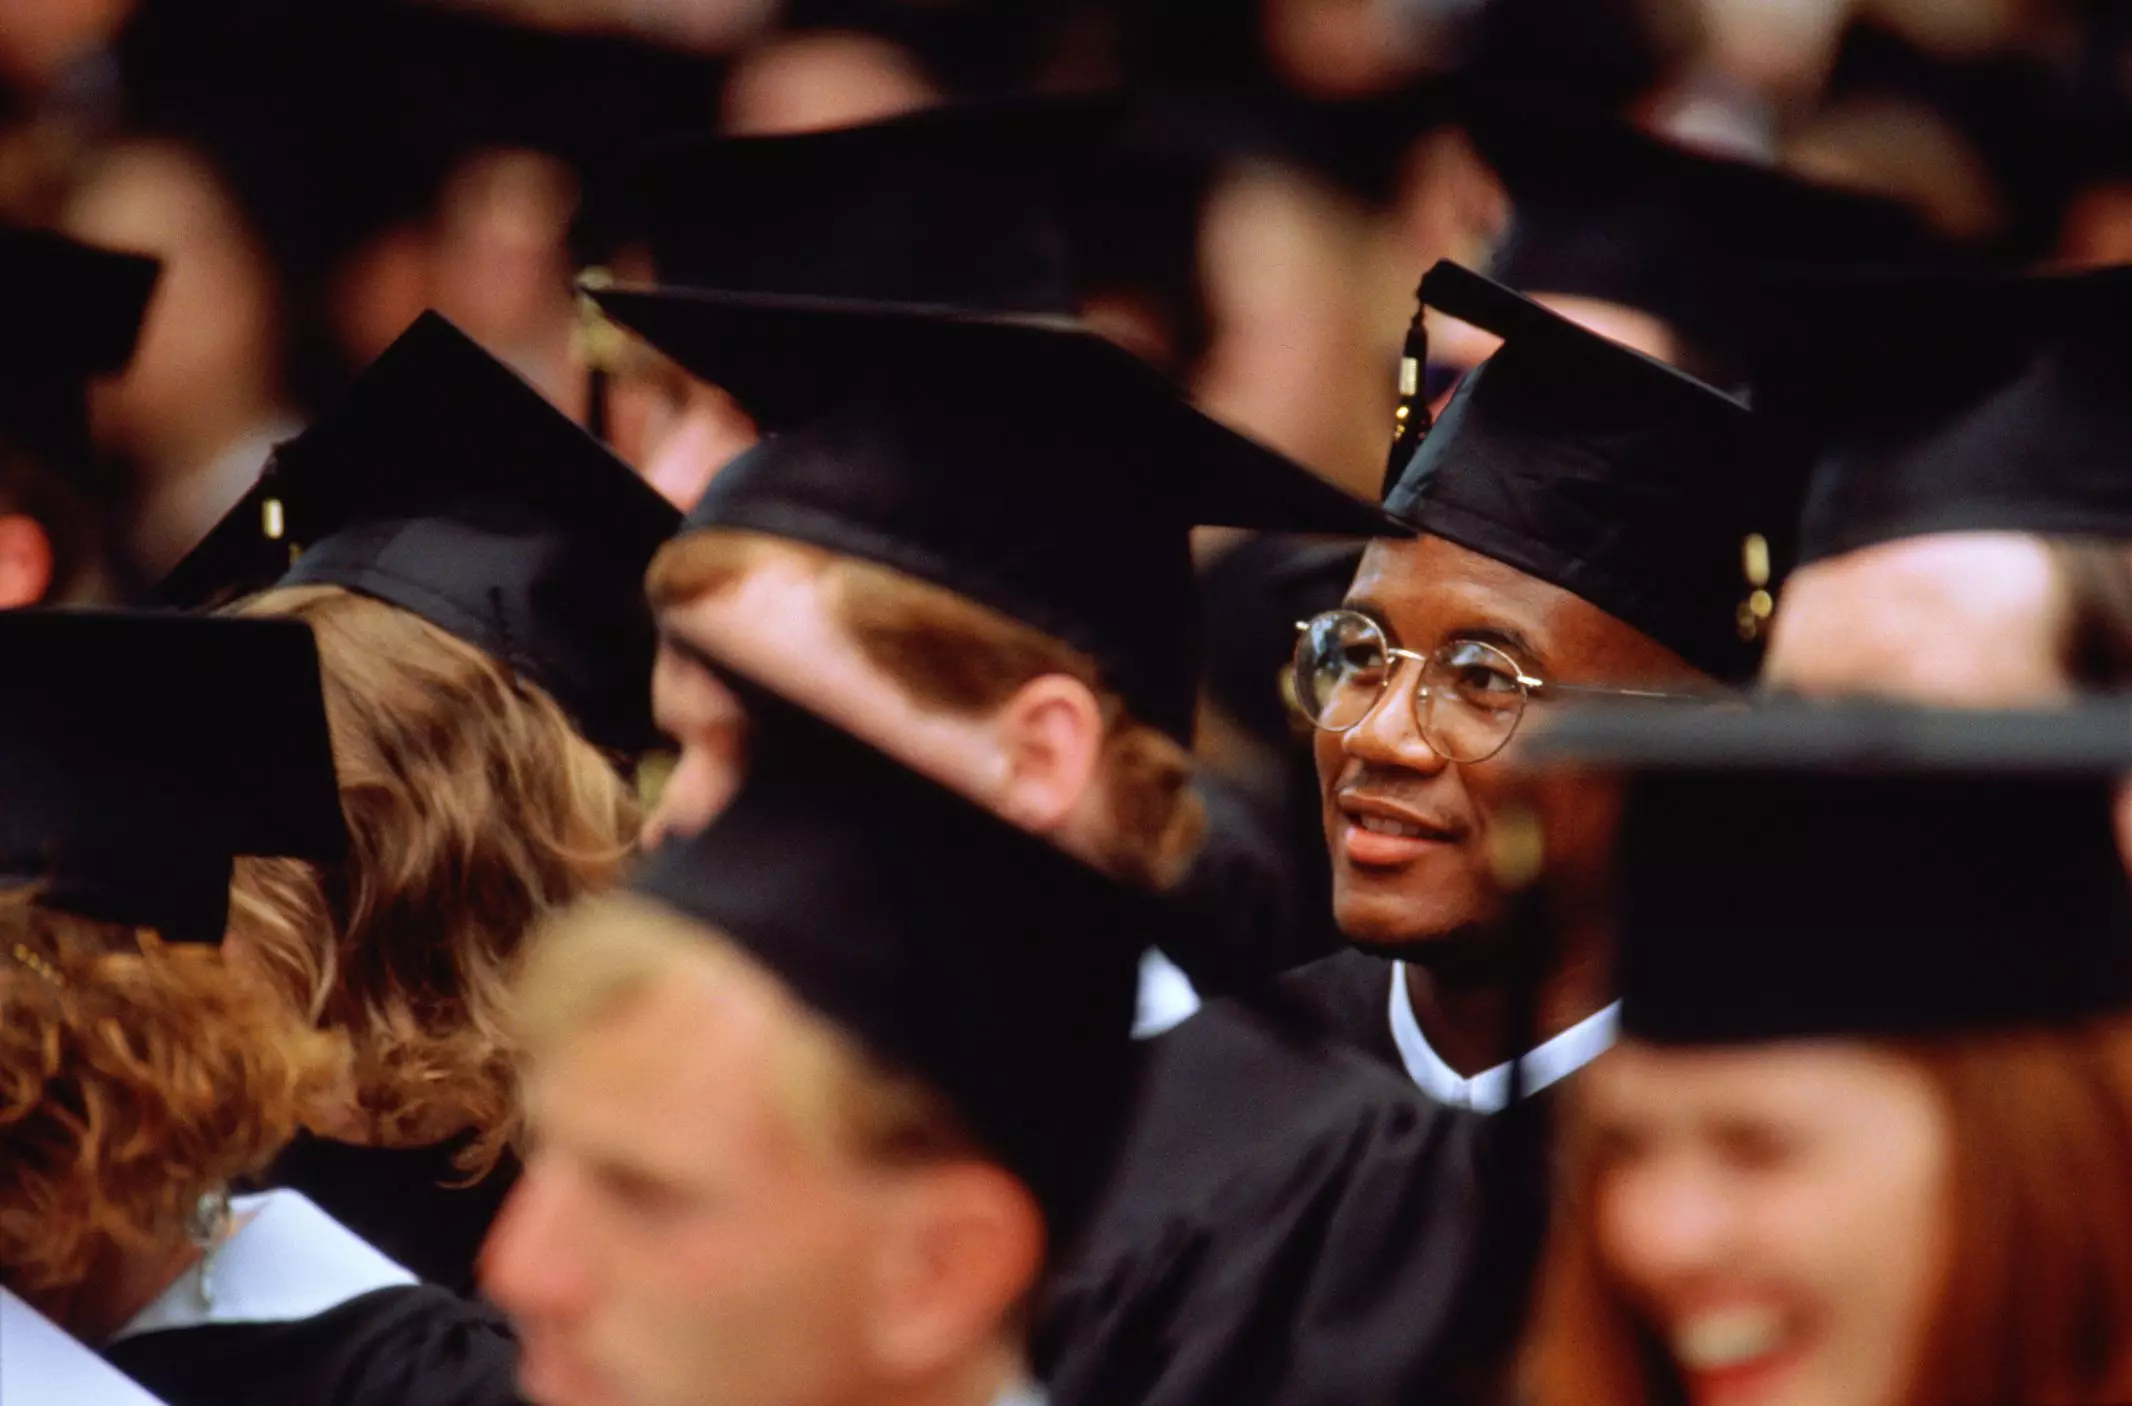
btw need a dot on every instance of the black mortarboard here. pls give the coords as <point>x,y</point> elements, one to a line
<point>445,485</point>
<point>1799,870</point>
<point>1023,462</point>
<point>72,313</point>
<point>141,753</point>
<point>1606,473</point>
<point>1605,211</point>
<point>962,205</point>
<point>958,948</point>
<point>1960,404</point>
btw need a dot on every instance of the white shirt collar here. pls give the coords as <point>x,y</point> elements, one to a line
<point>1489,1090</point>
<point>1167,997</point>
<point>287,1261</point>
<point>41,1363</point>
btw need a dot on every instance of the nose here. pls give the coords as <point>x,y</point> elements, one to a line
<point>696,790</point>
<point>530,1265</point>
<point>1389,734</point>
<point>1665,1226</point>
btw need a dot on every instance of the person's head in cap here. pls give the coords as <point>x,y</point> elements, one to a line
<point>975,552</point>
<point>1590,521</point>
<point>471,563</point>
<point>140,757</point>
<point>1970,478</point>
<point>1659,246</point>
<point>72,314</point>
<point>820,1097</point>
<point>1864,1136</point>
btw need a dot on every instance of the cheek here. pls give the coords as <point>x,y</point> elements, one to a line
<point>1331,759</point>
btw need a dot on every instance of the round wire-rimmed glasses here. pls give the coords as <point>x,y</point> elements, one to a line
<point>1468,702</point>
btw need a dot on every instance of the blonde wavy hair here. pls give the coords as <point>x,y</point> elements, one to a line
<point>135,1078</point>
<point>474,808</point>
<point>957,656</point>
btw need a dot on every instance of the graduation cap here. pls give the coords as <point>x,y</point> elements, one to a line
<point>1960,403</point>
<point>1631,484</point>
<point>1608,212</point>
<point>140,753</point>
<point>1021,461</point>
<point>1799,870</point>
<point>73,312</point>
<point>445,485</point>
<point>963,204</point>
<point>990,964</point>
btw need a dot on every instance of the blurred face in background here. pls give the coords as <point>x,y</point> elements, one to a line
<point>809,82</point>
<point>1776,1215</point>
<point>208,357</point>
<point>1972,619</point>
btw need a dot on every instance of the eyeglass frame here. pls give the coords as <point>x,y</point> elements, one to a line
<point>1528,686</point>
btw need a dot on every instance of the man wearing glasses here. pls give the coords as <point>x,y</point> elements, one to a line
<point>1592,524</point>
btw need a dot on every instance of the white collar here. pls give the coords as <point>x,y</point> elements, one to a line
<point>42,1363</point>
<point>287,1261</point>
<point>1489,1090</point>
<point>1167,997</point>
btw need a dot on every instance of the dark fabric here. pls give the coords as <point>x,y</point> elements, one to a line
<point>446,485</point>
<point>1290,1225</point>
<point>1024,463</point>
<point>980,958</point>
<point>1351,992</point>
<point>1962,405</point>
<point>134,813</point>
<point>1257,900</point>
<point>1605,210</point>
<point>1619,479</point>
<point>71,312</point>
<point>416,1346</point>
<point>1905,905</point>
<point>408,1202</point>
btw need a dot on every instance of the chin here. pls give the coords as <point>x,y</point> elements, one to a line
<point>1391,919</point>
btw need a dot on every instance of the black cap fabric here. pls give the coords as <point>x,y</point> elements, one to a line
<point>140,753</point>
<point>963,205</point>
<point>1023,462</point>
<point>1959,403</point>
<point>1605,211</point>
<point>1606,473</point>
<point>72,312</point>
<point>445,485</point>
<point>981,959</point>
<point>1799,870</point>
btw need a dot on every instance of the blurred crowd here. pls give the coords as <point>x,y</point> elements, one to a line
<point>314,175</point>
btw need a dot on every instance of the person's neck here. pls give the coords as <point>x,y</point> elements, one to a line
<point>981,1380</point>
<point>112,1294</point>
<point>1468,1026</point>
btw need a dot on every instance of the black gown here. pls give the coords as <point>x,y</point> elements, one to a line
<point>303,1312</point>
<point>1291,1224</point>
<point>1351,993</point>
<point>406,1201</point>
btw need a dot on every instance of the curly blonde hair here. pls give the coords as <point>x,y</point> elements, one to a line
<point>474,808</point>
<point>957,656</point>
<point>135,1078</point>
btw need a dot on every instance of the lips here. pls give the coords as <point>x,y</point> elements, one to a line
<point>1731,1356</point>
<point>1375,833</point>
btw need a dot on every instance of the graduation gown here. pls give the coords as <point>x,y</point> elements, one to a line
<point>39,1362</point>
<point>1350,992</point>
<point>1290,1224</point>
<point>301,1310</point>
<point>405,1201</point>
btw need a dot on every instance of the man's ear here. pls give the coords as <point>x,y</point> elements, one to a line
<point>25,561</point>
<point>1051,746</point>
<point>963,1247</point>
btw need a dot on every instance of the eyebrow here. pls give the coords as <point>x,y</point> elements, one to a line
<point>1508,638</point>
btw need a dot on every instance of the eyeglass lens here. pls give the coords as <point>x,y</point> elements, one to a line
<point>1468,703</point>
